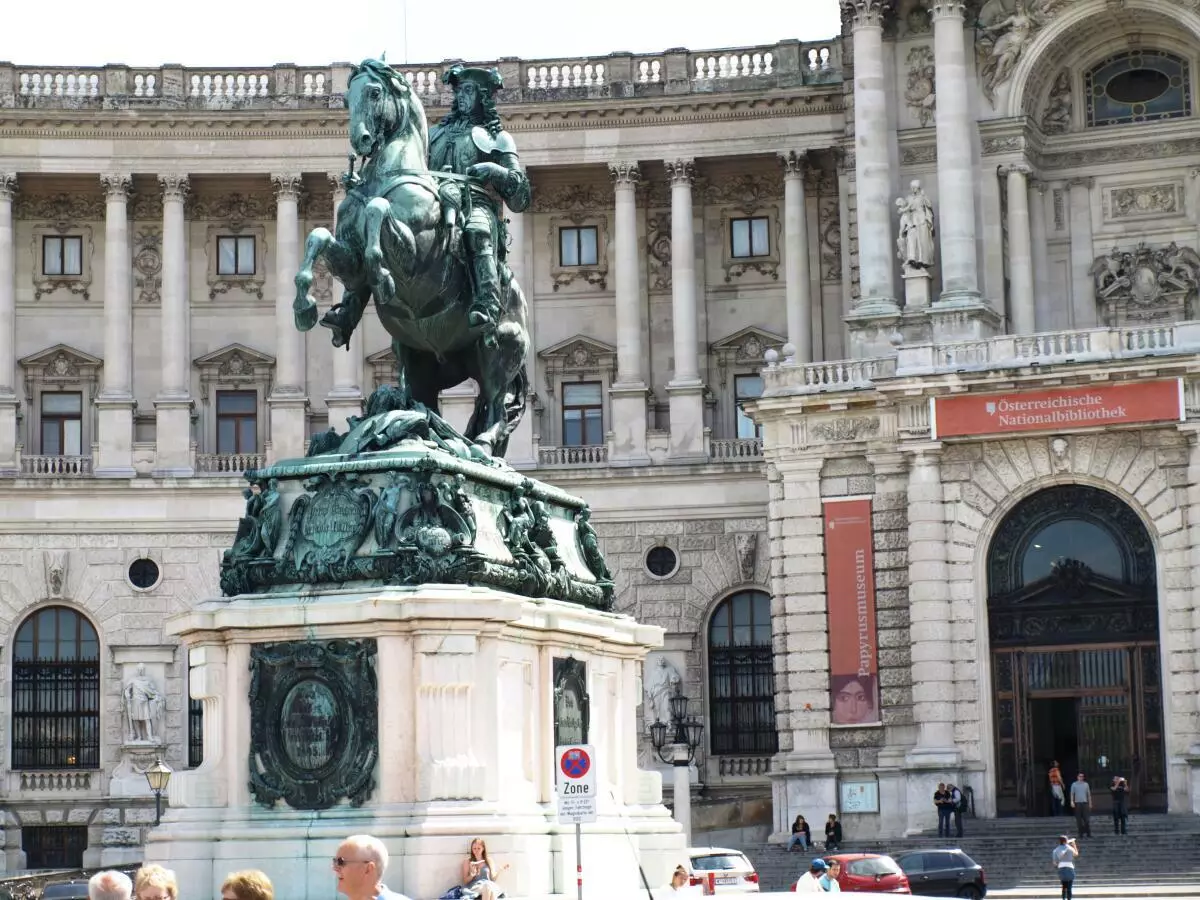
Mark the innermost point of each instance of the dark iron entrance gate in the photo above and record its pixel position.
(1076, 678)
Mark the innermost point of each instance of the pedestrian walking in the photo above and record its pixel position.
(1081, 802)
(942, 803)
(1063, 857)
(1058, 796)
(1120, 805)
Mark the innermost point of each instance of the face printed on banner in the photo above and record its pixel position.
(854, 700)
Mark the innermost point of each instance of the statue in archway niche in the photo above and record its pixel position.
(915, 246)
(143, 705)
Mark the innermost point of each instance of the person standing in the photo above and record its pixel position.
(1081, 802)
(941, 802)
(1063, 857)
(956, 807)
(1120, 804)
(1058, 796)
(829, 881)
(359, 866)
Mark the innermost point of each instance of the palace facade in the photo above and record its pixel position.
(730, 360)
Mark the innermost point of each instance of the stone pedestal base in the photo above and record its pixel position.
(114, 423)
(874, 330)
(465, 744)
(8, 434)
(629, 425)
(686, 404)
(173, 437)
(916, 288)
(289, 430)
(129, 777)
(967, 319)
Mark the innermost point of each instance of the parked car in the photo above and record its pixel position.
(731, 871)
(943, 873)
(65, 890)
(870, 873)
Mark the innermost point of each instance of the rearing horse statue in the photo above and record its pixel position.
(399, 241)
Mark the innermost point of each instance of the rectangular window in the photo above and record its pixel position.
(62, 256)
(746, 387)
(749, 237)
(54, 846)
(237, 422)
(235, 255)
(583, 414)
(62, 424)
(578, 246)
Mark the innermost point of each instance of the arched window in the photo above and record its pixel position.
(741, 676)
(1137, 86)
(56, 692)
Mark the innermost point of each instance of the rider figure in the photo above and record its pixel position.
(471, 142)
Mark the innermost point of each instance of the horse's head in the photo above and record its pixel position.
(379, 99)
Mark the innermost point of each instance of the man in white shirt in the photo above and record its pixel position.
(110, 886)
(810, 881)
(359, 865)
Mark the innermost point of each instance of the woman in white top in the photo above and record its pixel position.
(1063, 858)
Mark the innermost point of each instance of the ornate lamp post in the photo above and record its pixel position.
(158, 776)
(686, 734)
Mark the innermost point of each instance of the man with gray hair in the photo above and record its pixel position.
(359, 866)
(110, 886)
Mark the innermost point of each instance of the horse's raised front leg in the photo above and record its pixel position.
(378, 216)
(304, 307)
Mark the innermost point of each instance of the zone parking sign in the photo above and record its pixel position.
(575, 779)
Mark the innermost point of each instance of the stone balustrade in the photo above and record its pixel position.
(55, 466)
(743, 766)
(228, 463)
(1004, 351)
(787, 64)
(722, 449)
(587, 455)
(56, 782)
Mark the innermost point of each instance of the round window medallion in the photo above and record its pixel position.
(144, 574)
(1138, 86)
(661, 562)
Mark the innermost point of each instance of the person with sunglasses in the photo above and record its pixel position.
(359, 866)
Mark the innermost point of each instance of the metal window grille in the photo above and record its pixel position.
(195, 733)
(741, 675)
(54, 846)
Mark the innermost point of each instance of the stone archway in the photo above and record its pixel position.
(1074, 644)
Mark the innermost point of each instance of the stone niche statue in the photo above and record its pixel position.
(662, 682)
(915, 246)
(143, 708)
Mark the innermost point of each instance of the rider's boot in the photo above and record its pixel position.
(344, 318)
(485, 306)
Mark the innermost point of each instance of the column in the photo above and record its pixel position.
(173, 405)
(288, 401)
(1020, 251)
(797, 284)
(115, 404)
(872, 164)
(955, 166)
(628, 392)
(1037, 240)
(8, 328)
(520, 452)
(345, 398)
(1083, 254)
(685, 389)
(929, 611)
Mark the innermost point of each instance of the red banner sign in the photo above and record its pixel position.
(850, 598)
(1057, 409)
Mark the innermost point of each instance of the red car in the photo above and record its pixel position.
(869, 872)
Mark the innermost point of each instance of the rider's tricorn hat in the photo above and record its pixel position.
(488, 80)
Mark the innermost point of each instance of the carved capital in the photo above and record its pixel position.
(287, 185)
(116, 186)
(336, 186)
(795, 163)
(947, 9)
(624, 174)
(865, 13)
(1014, 169)
(174, 187)
(8, 185)
(1087, 182)
(681, 171)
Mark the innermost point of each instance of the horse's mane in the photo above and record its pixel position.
(397, 85)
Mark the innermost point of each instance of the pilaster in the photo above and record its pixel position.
(1020, 250)
(115, 403)
(9, 403)
(627, 396)
(288, 401)
(173, 405)
(685, 390)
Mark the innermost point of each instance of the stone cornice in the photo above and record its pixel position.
(152, 124)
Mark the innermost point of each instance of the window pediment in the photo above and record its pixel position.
(577, 356)
(744, 349)
(235, 364)
(61, 363)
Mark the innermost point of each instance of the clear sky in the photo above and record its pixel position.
(310, 32)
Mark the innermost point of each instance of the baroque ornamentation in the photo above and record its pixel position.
(57, 561)
(1003, 37)
(993, 146)
(829, 226)
(116, 186)
(1146, 285)
(842, 430)
(147, 264)
(64, 209)
(918, 154)
(236, 209)
(1137, 201)
(681, 171)
(746, 193)
(745, 547)
(314, 723)
(8, 186)
(866, 12)
(920, 92)
(582, 198)
(658, 240)
(1056, 118)
(624, 172)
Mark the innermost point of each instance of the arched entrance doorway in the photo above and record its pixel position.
(1073, 624)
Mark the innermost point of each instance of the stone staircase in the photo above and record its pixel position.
(1159, 849)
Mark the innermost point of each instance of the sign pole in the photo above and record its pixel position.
(579, 859)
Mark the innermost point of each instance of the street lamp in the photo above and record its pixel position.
(686, 734)
(158, 776)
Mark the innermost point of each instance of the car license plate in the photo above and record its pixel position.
(727, 879)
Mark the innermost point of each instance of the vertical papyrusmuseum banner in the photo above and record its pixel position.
(850, 600)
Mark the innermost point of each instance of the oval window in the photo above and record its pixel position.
(1138, 86)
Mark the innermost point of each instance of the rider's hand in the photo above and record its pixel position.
(488, 172)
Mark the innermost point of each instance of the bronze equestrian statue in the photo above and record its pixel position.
(422, 232)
